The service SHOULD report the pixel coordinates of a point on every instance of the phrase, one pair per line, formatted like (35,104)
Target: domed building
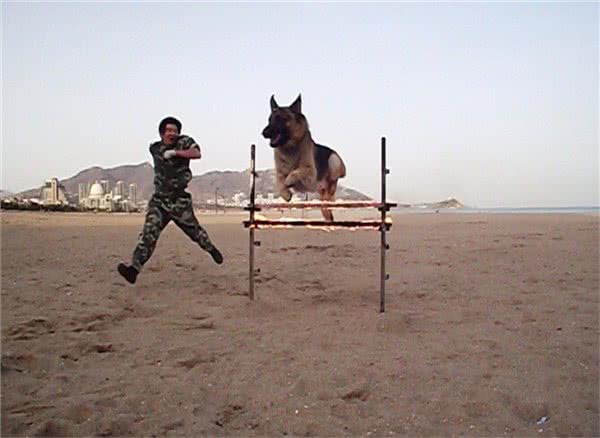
(96,191)
(97,199)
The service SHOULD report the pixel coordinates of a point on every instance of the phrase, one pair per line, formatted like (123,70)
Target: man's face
(169,136)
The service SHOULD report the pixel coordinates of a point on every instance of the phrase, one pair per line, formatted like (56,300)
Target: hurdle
(383,224)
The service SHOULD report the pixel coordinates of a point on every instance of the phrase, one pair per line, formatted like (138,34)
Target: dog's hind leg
(327,214)
(327,193)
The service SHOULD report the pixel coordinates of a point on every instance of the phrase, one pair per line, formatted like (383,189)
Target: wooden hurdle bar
(382,225)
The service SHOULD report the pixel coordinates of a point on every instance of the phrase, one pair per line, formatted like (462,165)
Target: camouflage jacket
(171,176)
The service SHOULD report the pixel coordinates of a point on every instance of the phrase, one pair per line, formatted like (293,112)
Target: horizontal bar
(268,223)
(322,204)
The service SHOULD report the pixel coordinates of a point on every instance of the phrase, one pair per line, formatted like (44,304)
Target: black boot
(216,255)
(129,273)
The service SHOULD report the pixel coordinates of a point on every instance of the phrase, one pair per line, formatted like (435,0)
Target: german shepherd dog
(300,163)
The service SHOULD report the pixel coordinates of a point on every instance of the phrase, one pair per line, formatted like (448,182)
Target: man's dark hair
(168,121)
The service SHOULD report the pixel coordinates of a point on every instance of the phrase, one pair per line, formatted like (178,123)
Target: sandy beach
(491,327)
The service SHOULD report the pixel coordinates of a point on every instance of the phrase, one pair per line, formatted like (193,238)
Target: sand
(491,325)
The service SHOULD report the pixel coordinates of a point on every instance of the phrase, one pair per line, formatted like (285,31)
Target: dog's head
(287,126)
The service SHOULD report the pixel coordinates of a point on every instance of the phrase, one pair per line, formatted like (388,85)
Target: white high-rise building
(53,192)
(133,193)
(105,185)
(120,189)
(84,191)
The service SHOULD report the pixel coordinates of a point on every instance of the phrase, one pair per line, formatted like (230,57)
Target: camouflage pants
(161,210)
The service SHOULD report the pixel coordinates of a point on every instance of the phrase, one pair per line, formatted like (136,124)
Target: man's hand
(171,153)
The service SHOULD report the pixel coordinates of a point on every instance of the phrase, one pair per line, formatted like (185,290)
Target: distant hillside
(231,182)
(202,187)
(449,203)
(140,174)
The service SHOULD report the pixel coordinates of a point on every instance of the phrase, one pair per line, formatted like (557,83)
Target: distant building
(84,191)
(99,200)
(133,193)
(105,185)
(239,199)
(120,189)
(53,193)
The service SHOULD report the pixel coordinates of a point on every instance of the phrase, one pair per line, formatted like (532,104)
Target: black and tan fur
(300,163)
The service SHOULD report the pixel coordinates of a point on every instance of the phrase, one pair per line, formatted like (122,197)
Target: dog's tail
(337,169)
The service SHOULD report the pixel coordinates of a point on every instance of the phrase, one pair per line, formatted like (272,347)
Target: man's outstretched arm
(191,154)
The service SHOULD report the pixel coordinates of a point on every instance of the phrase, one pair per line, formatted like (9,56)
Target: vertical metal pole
(384,172)
(216,202)
(251,228)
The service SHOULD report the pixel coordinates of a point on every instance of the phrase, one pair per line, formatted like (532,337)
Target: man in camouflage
(170,201)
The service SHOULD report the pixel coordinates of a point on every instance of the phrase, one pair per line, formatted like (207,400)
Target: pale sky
(493,103)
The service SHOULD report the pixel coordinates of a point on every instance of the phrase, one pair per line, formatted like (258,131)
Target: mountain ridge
(203,187)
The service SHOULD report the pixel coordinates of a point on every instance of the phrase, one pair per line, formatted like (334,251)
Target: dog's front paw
(286,195)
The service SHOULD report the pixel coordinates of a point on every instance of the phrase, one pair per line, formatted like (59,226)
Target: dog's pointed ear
(297,105)
(274,105)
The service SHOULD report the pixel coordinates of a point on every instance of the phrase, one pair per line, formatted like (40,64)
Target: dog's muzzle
(274,139)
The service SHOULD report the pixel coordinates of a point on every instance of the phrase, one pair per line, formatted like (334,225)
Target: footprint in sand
(173,425)
(54,428)
(79,413)
(30,329)
(18,362)
(229,413)
(361,394)
(196,360)
(120,426)
(187,325)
